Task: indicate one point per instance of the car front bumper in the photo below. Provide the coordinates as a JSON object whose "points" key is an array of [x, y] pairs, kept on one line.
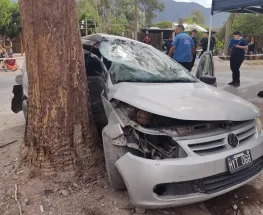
{"points": [[141, 176]]}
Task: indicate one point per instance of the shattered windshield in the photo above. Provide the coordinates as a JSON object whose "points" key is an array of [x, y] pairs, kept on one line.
{"points": [[136, 62]]}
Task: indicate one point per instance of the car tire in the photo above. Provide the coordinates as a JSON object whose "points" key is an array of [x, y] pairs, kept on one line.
{"points": [[112, 153]]}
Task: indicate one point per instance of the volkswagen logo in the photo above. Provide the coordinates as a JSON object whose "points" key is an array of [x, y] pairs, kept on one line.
{"points": [[233, 140]]}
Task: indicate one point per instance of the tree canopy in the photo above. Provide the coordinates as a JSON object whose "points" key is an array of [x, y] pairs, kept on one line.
{"points": [[5, 16], [163, 24], [248, 24], [119, 16], [13, 27], [196, 17], [150, 7], [10, 19]]}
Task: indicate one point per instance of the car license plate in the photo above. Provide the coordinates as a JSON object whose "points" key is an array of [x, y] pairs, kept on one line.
{"points": [[239, 161]]}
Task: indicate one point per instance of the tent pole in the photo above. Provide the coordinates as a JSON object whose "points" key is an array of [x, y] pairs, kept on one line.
{"points": [[210, 32]]}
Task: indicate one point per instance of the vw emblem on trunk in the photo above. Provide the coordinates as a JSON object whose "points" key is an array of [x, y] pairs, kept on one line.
{"points": [[233, 140]]}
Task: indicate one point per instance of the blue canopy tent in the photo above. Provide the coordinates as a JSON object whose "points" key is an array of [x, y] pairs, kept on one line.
{"points": [[234, 6], [237, 6]]}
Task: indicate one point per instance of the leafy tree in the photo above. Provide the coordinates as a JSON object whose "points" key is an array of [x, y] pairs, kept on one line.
{"points": [[181, 21], [248, 24], [229, 24], [127, 8], [88, 9], [117, 25], [163, 24], [13, 27], [198, 17], [150, 7], [222, 32], [116, 16], [5, 13]]}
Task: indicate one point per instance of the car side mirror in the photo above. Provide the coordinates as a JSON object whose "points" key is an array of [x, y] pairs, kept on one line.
{"points": [[208, 79]]}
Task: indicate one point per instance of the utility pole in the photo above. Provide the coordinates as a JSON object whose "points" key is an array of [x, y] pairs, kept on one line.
{"points": [[135, 19]]}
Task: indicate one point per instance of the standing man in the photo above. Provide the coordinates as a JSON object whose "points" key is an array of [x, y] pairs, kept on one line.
{"points": [[204, 43], [182, 48], [194, 38], [238, 46], [214, 39]]}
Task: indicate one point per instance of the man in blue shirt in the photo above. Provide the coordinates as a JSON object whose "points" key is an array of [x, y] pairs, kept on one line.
{"points": [[182, 48], [238, 45]]}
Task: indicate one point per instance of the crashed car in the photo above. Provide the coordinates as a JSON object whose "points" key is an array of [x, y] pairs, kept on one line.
{"points": [[170, 137]]}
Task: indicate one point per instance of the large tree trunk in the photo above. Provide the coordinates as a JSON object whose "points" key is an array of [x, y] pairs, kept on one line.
{"points": [[230, 21], [59, 134]]}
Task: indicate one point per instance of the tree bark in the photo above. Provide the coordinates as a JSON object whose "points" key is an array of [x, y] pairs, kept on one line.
{"points": [[230, 21], [59, 131]]}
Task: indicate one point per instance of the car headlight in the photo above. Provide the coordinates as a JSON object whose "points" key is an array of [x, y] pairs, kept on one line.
{"points": [[259, 125]]}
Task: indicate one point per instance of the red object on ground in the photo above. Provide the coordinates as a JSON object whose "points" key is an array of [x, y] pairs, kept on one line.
{"points": [[10, 64]]}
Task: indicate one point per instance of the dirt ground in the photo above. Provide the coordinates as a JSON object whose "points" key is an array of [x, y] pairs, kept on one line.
{"points": [[88, 196]]}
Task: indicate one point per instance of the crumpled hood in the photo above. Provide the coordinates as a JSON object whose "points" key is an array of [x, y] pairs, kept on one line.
{"points": [[185, 101]]}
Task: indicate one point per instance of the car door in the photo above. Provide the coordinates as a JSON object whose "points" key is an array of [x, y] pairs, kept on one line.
{"points": [[205, 69]]}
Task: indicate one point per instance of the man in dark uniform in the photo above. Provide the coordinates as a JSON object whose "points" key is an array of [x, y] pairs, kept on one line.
{"points": [[238, 45], [213, 38], [204, 43], [194, 38]]}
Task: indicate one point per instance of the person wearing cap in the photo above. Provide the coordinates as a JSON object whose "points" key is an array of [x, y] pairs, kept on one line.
{"points": [[182, 48], [238, 45], [194, 38], [204, 43]]}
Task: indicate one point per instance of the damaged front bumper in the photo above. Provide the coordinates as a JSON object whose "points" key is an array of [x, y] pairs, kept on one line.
{"points": [[175, 182]]}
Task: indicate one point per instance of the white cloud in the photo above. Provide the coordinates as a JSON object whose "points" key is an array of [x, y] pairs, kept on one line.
{"points": [[205, 3]]}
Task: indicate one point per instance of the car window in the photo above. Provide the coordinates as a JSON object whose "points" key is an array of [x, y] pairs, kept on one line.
{"points": [[136, 62], [205, 66]]}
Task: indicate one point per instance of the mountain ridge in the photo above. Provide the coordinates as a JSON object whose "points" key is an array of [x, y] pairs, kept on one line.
{"points": [[175, 10]]}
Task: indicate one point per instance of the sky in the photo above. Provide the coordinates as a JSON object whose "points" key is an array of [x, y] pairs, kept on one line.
{"points": [[206, 3]]}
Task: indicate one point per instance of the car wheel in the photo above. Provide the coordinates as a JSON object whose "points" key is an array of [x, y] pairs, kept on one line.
{"points": [[112, 153]]}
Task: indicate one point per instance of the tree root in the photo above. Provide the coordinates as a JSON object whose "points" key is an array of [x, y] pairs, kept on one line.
{"points": [[17, 201]]}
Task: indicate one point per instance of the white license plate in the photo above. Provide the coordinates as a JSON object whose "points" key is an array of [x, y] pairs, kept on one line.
{"points": [[239, 161]]}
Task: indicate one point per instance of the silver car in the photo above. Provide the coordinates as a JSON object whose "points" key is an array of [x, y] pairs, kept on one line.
{"points": [[170, 137]]}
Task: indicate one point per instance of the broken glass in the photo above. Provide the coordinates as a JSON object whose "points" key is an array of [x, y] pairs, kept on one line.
{"points": [[136, 62]]}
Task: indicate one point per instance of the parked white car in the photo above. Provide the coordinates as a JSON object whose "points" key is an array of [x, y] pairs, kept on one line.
{"points": [[168, 137]]}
